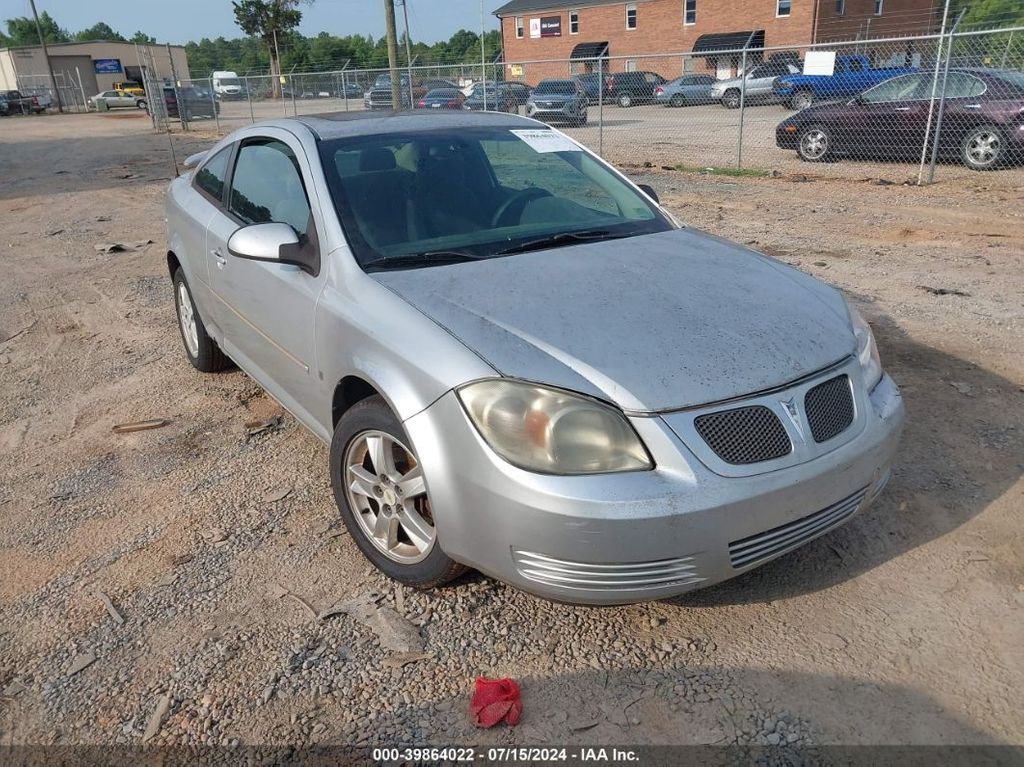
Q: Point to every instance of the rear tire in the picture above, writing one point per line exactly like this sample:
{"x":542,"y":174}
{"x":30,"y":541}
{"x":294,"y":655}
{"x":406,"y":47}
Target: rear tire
{"x":731,"y":99}
{"x":352,"y":448}
{"x":624,"y":100}
{"x":676,"y":101}
{"x":983,"y":148}
{"x":201,"y":350}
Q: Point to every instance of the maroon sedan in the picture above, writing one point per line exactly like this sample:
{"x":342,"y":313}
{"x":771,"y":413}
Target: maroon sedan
{"x":982,"y":122}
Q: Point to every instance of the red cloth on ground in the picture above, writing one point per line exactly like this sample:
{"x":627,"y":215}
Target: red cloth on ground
{"x":495,"y":700}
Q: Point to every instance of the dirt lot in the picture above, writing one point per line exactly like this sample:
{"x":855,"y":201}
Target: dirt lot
{"x":899,"y":627}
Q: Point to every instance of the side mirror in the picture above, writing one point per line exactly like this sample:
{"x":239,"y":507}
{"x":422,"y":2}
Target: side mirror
{"x":649,"y":191}
{"x":262,"y":242}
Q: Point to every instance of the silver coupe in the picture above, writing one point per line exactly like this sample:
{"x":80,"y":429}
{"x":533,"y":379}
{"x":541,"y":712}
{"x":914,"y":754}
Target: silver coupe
{"x":521,"y":362}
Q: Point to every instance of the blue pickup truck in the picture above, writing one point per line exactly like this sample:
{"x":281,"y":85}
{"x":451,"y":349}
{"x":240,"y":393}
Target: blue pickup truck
{"x":853,"y":74}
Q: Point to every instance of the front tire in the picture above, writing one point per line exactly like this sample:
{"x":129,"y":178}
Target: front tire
{"x":801,"y":100}
{"x":624,"y":100}
{"x":201,"y":350}
{"x":731,"y":99}
{"x":983,"y":148}
{"x":676,"y":101}
{"x":815,"y":144}
{"x":382,"y":497}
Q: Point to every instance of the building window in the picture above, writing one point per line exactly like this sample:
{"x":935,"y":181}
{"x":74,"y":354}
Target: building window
{"x":689,"y":12}
{"x":574,"y":22}
{"x":519,"y":27}
{"x":840,"y":7}
{"x":783,"y":7}
{"x":630,"y":65}
{"x":630,"y":15}
{"x":878,"y":7}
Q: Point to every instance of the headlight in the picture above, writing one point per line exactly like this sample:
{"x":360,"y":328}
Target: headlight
{"x":552,"y":431}
{"x":867,"y":349}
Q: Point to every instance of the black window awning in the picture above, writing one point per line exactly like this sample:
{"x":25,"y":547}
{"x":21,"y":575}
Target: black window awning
{"x":589,"y":51}
{"x":728,"y":41}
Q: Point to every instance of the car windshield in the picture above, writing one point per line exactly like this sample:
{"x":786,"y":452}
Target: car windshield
{"x":443,"y":93}
{"x":476,"y":193}
{"x":556,"y":86}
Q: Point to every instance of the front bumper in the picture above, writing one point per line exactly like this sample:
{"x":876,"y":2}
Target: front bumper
{"x":619,"y":538}
{"x":566,"y":111}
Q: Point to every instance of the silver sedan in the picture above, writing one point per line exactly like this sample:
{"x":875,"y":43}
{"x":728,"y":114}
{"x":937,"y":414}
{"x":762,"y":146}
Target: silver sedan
{"x":521,"y":363}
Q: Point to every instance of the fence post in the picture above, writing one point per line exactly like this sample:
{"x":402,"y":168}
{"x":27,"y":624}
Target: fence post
{"x":600,"y":106}
{"x":248,"y":97}
{"x":743,"y":102}
{"x":942,"y":97}
{"x":931,"y":102}
{"x":1009,"y":40}
{"x":213,"y":102}
{"x":344,"y":87}
{"x":177,"y":96}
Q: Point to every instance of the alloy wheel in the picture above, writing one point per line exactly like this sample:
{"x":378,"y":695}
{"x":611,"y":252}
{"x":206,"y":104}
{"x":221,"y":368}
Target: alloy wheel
{"x":388,"y":497}
{"x":801,"y":100}
{"x":982,"y":148}
{"x":814,"y":144}
{"x":187,"y":318}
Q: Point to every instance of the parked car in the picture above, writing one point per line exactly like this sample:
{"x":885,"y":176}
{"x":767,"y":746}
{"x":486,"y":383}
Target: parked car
{"x":380,"y":93}
{"x":350,"y":91}
{"x":433,"y":85}
{"x":558,"y":100}
{"x":688,"y":89}
{"x":629,"y":88}
{"x":516,"y":372}
{"x":5,"y":108}
{"x":118,"y":99}
{"x":19,"y":103}
{"x":758,"y":88}
{"x":852,"y":74}
{"x":983,"y":121}
{"x":134,"y":87}
{"x":518,"y":91}
{"x":442,"y":98}
{"x":190,"y":102}
{"x":498,"y":99}
{"x":591,"y":82}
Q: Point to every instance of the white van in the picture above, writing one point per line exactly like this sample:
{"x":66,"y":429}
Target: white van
{"x":227,"y":85}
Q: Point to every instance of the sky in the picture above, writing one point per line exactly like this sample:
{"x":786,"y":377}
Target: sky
{"x":178,"y":21}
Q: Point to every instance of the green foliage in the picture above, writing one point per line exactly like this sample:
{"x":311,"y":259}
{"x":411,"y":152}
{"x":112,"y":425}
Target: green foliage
{"x":98,"y":31}
{"x":988,"y":13}
{"x":142,"y":39}
{"x":22,"y":31}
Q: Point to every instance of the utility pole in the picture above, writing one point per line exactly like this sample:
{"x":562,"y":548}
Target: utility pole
{"x":408,"y":50}
{"x":389,"y":25}
{"x":483,"y":56}
{"x":46,"y":56}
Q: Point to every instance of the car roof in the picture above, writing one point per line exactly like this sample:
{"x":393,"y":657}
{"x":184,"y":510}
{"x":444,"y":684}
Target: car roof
{"x":330,"y":125}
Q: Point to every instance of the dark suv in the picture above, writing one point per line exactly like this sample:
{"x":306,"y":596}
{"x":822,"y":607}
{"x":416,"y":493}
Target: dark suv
{"x":629,"y":88}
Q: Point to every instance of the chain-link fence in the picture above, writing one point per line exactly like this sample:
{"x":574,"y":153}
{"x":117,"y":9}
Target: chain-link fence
{"x":70,"y":91}
{"x":954,"y":100}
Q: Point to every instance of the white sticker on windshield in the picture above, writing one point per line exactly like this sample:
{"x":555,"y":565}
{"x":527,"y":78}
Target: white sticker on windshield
{"x":547,"y":141}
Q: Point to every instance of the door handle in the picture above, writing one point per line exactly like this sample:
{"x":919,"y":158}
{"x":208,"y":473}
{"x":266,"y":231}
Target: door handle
{"x":221,"y":261}
{"x":972,"y":106}
{"x":902,"y":109}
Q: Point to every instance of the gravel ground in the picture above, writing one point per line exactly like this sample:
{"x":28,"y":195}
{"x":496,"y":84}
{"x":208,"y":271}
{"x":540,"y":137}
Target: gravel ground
{"x":179,"y":585}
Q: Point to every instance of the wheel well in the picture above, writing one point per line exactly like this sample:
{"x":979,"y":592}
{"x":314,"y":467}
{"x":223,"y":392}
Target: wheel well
{"x":349,"y":391}
{"x":172,"y":263}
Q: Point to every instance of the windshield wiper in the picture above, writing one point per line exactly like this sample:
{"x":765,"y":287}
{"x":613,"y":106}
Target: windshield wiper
{"x":563,"y":238}
{"x":429,"y":258}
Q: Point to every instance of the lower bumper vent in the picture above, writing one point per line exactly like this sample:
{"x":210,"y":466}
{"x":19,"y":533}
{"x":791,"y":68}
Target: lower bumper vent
{"x":771,"y":543}
{"x":634,"y":576}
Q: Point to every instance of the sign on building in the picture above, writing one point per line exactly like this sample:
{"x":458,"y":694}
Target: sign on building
{"x":550,"y":26}
{"x":107,"y":66}
{"x":534,"y":27}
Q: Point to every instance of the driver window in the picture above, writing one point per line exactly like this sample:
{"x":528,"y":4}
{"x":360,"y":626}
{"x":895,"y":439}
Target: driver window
{"x":898,"y":89}
{"x":267,"y":186}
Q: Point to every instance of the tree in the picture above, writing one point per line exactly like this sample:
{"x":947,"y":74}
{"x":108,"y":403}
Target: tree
{"x":98,"y":31}
{"x":22,"y":30}
{"x":268,"y":19}
{"x":142,"y":38}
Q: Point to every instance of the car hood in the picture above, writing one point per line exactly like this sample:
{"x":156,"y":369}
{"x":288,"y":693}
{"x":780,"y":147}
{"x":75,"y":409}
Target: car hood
{"x":651,"y":323}
{"x":552,"y":97}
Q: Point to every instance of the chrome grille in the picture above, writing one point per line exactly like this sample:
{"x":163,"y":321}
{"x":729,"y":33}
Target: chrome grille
{"x":744,"y":435}
{"x":622,"y":577}
{"x":771,"y":543}
{"x":829,"y":408}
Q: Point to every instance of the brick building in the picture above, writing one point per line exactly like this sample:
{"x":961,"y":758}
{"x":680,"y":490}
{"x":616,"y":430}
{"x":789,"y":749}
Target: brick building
{"x":642,"y":34}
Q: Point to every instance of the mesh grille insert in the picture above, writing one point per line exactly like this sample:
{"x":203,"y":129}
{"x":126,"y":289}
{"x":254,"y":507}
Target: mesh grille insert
{"x":829,"y":408}
{"x":744,"y":435}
